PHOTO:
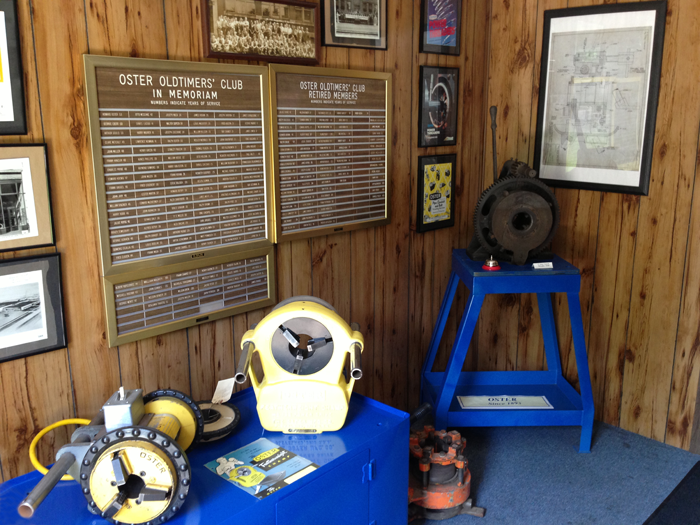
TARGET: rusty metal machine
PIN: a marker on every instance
(516, 218)
(130, 459)
(439, 483)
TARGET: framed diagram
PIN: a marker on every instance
(332, 149)
(286, 31)
(435, 190)
(31, 306)
(599, 89)
(187, 294)
(439, 107)
(440, 26)
(353, 23)
(25, 199)
(13, 117)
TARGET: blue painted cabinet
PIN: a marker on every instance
(363, 477)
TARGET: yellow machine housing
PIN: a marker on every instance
(304, 389)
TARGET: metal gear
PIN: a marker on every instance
(157, 446)
(516, 217)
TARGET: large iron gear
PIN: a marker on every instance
(516, 217)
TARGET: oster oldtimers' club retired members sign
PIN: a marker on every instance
(331, 148)
(182, 175)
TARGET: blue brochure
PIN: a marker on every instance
(261, 468)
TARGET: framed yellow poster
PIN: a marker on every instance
(435, 192)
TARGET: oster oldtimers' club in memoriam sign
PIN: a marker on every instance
(182, 176)
(332, 153)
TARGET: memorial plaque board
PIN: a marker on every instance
(184, 195)
(169, 298)
(181, 160)
(331, 130)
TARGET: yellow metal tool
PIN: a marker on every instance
(130, 459)
(303, 345)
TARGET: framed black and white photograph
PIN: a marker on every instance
(25, 199)
(440, 26)
(599, 89)
(31, 306)
(436, 196)
(13, 119)
(354, 23)
(285, 31)
(437, 119)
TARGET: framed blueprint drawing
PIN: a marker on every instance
(599, 89)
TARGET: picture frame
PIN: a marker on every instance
(435, 192)
(440, 26)
(283, 31)
(31, 306)
(597, 109)
(13, 116)
(439, 106)
(355, 23)
(331, 141)
(25, 198)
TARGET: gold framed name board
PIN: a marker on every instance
(332, 149)
(183, 183)
(188, 294)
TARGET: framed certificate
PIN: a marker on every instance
(332, 149)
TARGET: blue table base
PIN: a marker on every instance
(442, 388)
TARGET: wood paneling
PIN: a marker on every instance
(641, 279)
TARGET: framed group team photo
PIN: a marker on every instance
(436, 174)
(31, 306)
(437, 118)
(13, 118)
(285, 31)
(599, 89)
(354, 23)
(440, 26)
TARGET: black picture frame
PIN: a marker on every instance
(333, 37)
(600, 133)
(37, 198)
(445, 11)
(438, 114)
(433, 176)
(211, 52)
(31, 301)
(18, 123)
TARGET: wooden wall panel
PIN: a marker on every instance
(638, 254)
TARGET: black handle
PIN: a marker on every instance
(420, 412)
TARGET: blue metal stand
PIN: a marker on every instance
(441, 388)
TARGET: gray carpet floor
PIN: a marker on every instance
(535, 476)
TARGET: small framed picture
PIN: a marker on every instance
(25, 199)
(440, 25)
(13, 118)
(601, 67)
(435, 192)
(437, 119)
(354, 23)
(31, 306)
(286, 31)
